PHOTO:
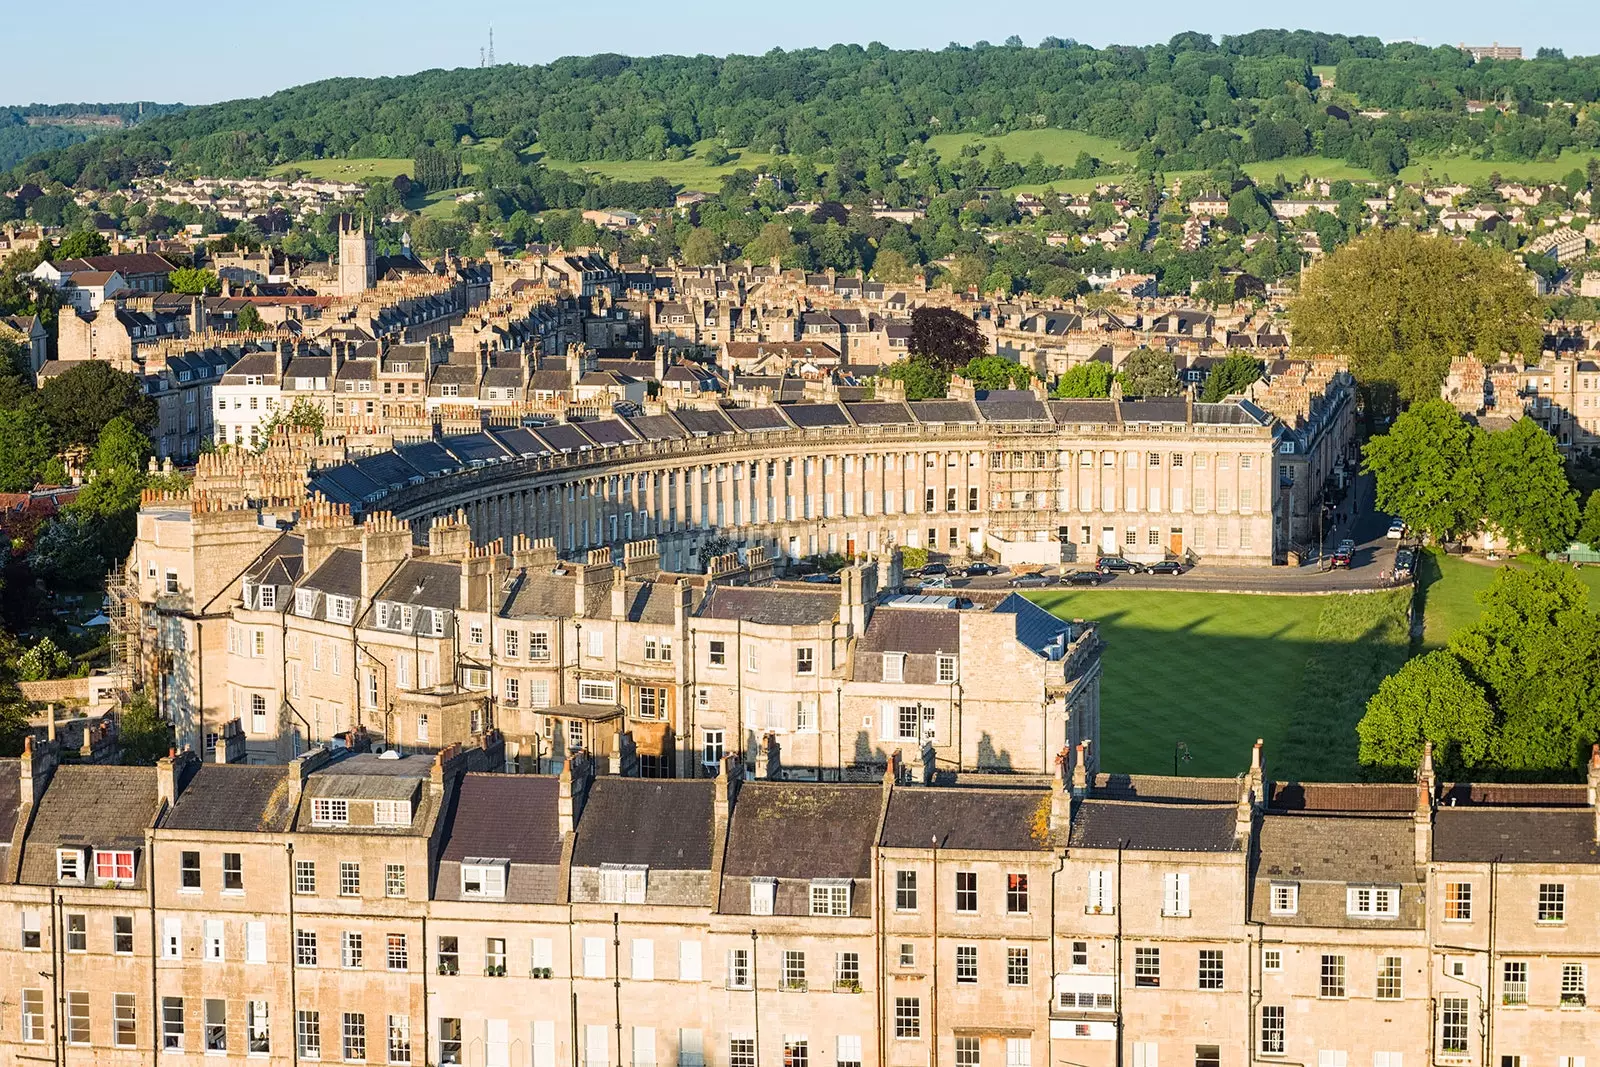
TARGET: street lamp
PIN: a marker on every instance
(1180, 751)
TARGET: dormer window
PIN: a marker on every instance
(1285, 898)
(894, 666)
(391, 813)
(69, 864)
(1372, 902)
(305, 602)
(830, 896)
(267, 597)
(622, 883)
(763, 892)
(330, 811)
(113, 865)
(483, 877)
(340, 609)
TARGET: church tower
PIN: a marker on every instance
(358, 260)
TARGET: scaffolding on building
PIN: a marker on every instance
(125, 637)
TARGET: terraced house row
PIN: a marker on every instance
(375, 908)
(284, 627)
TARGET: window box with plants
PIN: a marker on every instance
(495, 970)
(543, 972)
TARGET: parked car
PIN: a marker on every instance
(936, 581)
(1030, 581)
(934, 570)
(980, 568)
(821, 579)
(1397, 530)
(1342, 554)
(1405, 562)
(1085, 578)
(1107, 564)
(1166, 566)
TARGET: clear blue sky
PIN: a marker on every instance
(96, 50)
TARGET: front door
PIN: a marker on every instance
(1108, 541)
(1175, 544)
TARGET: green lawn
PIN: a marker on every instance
(691, 173)
(1060, 147)
(1462, 169)
(1218, 670)
(357, 170)
(1291, 167)
(1450, 588)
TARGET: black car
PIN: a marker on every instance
(1108, 564)
(1030, 581)
(980, 568)
(1085, 578)
(1166, 566)
(934, 570)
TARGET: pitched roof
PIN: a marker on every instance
(1154, 827)
(1012, 820)
(802, 830)
(1514, 835)
(505, 816)
(770, 607)
(916, 631)
(1338, 848)
(90, 806)
(236, 798)
(659, 822)
(339, 574)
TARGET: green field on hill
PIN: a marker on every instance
(1218, 670)
(1060, 147)
(691, 173)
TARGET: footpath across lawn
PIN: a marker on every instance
(1217, 670)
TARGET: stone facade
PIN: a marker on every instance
(425, 910)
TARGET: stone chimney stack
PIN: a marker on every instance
(642, 559)
(1080, 772)
(891, 771)
(38, 763)
(730, 772)
(450, 538)
(619, 593)
(1422, 818)
(385, 544)
(1060, 795)
(1252, 796)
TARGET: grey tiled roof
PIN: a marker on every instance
(505, 816)
(1037, 629)
(770, 607)
(235, 798)
(662, 823)
(756, 419)
(1154, 827)
(803, 830)
(1013, 820)
(1514, 835)
(89, 806)
(339, 575)
(424, 584)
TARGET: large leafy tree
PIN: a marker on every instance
(1400, 305)
(78, 404)
(1086, 381)
(194, 281)
(1147, 372)
(945, 337)
(997, 372)
(1526, 495)
(1424, 470)
(923, 378)
(82, 244)
(1429, 699)
(24, 449)
(1514, 695)
(1232, 375)
(1589, 528)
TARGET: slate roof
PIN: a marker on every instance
(1037, 629)
(880, 414)
(1338, 848)
(816, 416)
(1334, 796)
(699, 421)
(234, 798)
(1010, 820)
(610, 432)
(1514, 835)
(1088, 412)
(89, 806)
(564, 438)
(1157, 409)
(770, 607)
(424, 584)
(943, 411)
(660, 822)
(657, 428)
(1012, 405)
(752, 420)
(1153, 827)
(505, 816)
(10, 797)
(917, 631)
(339, 574)
(802, 830)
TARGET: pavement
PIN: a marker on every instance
(1371, 564)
